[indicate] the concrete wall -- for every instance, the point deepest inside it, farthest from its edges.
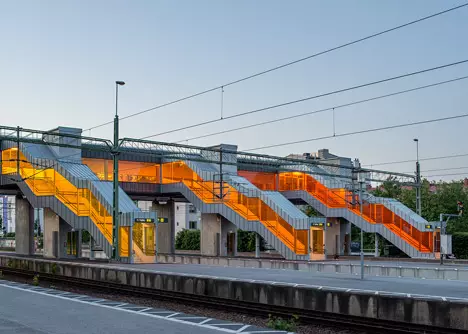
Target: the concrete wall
(210, 232)
(345, 229)
(429, 311)
(332, 237)
(226, 228)
(166, 232)
(51, 225)
(24, 236)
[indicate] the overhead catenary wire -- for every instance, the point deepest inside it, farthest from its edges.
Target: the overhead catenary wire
(448, 174)
(308, 98)
(346, 134)
(286, 64)
(420, 159)
(323, 110)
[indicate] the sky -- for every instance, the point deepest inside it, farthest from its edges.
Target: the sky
(59, 61)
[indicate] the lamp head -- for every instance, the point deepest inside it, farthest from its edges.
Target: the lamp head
(120, 83)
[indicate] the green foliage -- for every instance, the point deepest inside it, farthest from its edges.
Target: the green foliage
(1, 274)
(441, 200)
(10, 235)
(246, 241)
(460, 245)
(36, 280)
(85, 236)
(188, 240)
(311, 212)
(53, 268)
(279, 323)
(10, 263)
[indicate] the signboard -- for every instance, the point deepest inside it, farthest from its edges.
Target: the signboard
(429, 226)
(163, 220)
(144, 220)
(317, 224)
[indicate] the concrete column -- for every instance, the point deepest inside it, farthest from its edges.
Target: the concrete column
(51, 225)
(24, 229)
(332, 237)
(227, 228)
(165, 234)
(210, 232)
(345, 237)
(91, 248)
(79, 235)
(377, 252)
(257, 245)
(64, 228)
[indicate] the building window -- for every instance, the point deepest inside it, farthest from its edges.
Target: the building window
(192, 209)
(177, 223)
(177, 207)
(192, 225)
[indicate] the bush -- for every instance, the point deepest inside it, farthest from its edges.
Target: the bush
(460, 245)
(246, 241)
(283, 324)
(188, 240)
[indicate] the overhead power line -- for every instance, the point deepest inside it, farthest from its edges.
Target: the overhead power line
(360, 132)
(440, 169)
(323, 110)
(420, 159)
(286, 64)
(308, 98)
(449, 174)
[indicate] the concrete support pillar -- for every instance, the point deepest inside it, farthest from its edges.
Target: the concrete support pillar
(165, 235)
(345, 237)
(228, 236)
(64, 228)
(24, 229)
(210, 232)
(377, 252)
(91, 248)
(78, 243)
(51, 225)
(332, 237)
(257, 245)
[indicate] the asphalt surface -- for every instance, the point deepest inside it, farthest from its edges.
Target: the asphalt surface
(26, 312)
(442, 288)
(406, 264)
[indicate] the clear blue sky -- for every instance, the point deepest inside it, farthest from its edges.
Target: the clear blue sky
(59, 61)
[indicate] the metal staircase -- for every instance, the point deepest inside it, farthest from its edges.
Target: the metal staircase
(387, 217)
(70, 189)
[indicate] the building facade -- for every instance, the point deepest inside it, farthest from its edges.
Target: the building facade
(186, 217)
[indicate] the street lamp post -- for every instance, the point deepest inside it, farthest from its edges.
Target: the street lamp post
(115, 181)
(418, 179)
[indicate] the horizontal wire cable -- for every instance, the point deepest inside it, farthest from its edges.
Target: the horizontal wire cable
(286, 65)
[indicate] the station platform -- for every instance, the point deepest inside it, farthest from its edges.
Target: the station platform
(435, 303)
(406, 286)
(37, 310)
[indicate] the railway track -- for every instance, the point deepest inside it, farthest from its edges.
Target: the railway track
(359, 324)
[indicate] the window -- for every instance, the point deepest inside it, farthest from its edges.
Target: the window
(192, 225)
(177, 223)
(177, 207)
(192, 209)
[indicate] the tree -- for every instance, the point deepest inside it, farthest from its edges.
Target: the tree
(389, 188)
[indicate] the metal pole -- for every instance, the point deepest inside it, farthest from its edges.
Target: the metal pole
(418, 180)
(115, 181)
(362, 233)
(18, 152)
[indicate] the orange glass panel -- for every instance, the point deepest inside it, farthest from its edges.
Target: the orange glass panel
(124, 241)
